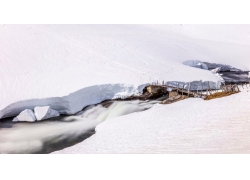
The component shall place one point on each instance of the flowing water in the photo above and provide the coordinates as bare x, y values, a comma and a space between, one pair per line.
64, 131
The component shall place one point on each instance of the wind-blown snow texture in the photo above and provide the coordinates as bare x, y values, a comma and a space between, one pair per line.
70, 66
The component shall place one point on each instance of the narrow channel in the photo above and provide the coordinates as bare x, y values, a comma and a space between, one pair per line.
64, 131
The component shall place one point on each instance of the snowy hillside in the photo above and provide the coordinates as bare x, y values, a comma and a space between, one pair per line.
42, 64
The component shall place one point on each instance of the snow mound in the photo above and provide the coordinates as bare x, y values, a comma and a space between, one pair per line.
45, 112
26, 115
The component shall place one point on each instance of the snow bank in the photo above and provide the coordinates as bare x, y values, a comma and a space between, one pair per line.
26, 115
45, 112
35, 137
57, 65
76, 101
189, 126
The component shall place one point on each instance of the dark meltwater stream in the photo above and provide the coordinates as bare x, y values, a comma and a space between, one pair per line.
64, 131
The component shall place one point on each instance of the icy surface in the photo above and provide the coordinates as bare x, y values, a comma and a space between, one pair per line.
45, 112
78, 65
26, 115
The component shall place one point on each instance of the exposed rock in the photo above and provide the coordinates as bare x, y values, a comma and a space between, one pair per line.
173, 94
156, 89
45, 112
174, 99
26, 115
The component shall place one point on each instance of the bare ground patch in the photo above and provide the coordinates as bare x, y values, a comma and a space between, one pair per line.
219, 95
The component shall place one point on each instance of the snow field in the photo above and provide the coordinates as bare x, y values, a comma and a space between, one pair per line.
49, 65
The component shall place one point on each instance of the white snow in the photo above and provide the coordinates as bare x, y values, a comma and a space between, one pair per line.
26, 115
68, 67
189, 126
45, 112
201, 65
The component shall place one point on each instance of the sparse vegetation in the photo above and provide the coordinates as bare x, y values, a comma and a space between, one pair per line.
219, 95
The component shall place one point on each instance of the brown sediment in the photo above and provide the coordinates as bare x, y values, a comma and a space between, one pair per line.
106, 103
219, 95
175, 99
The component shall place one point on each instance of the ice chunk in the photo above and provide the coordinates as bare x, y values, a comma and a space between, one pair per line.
26, 115
45, 112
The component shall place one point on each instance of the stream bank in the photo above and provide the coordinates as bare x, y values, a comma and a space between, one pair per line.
60, 132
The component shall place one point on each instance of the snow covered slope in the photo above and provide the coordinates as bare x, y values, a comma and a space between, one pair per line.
70, 66
190, 126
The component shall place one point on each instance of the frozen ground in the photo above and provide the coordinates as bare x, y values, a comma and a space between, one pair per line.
42, 64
